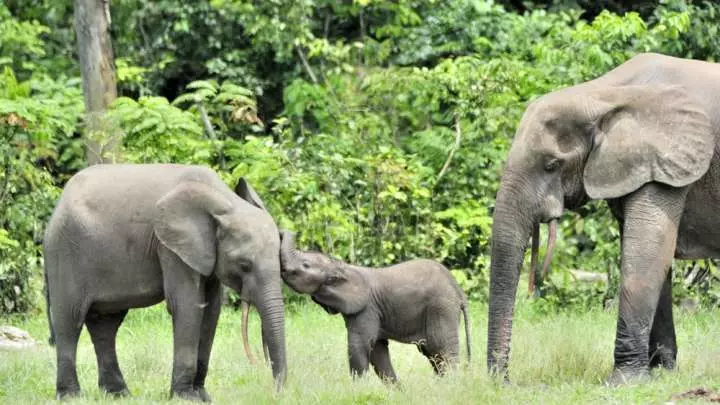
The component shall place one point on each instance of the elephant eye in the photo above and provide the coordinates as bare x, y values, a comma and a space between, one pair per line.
552, 165
244, 265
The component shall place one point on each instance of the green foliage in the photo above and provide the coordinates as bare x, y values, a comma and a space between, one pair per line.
20, 42
156, 131
376, 129
230, 108
27, 193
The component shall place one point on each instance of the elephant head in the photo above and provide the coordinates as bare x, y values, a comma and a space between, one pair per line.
334, 285
590, 141
234, 237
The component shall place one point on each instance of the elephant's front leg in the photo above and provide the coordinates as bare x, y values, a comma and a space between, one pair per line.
380, 359
359, 347
362, 332
213, 295
651, 218
185, 296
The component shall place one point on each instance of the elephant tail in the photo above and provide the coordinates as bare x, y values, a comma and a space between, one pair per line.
468, 343
51, 340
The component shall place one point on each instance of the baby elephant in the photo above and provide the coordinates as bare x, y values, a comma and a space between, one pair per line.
415, 302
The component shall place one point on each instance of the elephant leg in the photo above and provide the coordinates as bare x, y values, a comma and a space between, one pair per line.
437, 359
663, 346
380, 360
213, 295
651, 218
67, 325
185, 297
103, 331
442, 346
359, 346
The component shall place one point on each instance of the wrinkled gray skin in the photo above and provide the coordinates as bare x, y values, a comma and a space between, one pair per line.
645, 137
415, 302
129, 236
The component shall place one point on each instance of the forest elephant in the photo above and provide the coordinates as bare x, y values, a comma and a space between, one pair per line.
416, 302
129, 236
644, 137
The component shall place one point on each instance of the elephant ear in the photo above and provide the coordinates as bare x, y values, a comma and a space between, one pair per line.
345, 290
247, 193
646, 133
186, 222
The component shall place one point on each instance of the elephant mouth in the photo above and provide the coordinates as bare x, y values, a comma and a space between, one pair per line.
534, 270
330, 310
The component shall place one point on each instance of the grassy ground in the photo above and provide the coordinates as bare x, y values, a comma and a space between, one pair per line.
555, 359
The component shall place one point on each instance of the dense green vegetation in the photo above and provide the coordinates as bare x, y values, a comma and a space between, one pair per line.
557, 359
377, 129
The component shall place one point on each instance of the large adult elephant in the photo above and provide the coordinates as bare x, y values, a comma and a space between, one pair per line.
128, 236
644, 137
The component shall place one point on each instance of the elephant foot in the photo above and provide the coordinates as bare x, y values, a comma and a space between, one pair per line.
204, 396
664, 358
67, 393
622, 376
116, 392
190, 395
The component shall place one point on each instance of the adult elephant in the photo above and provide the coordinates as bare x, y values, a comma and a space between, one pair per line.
645, 138
128, 236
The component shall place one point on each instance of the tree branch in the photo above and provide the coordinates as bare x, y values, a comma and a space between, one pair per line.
458, 137
211, 132
306, 65
6, 180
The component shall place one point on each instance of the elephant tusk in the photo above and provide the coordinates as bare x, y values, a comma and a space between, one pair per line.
552, 235
534, 258
244, 327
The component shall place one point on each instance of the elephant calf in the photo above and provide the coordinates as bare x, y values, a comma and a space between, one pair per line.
412, 302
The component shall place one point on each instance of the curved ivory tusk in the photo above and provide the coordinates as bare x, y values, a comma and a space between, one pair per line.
534, 258
244, 327
552, 235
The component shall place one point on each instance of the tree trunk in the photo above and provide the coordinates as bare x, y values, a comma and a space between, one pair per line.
97, 63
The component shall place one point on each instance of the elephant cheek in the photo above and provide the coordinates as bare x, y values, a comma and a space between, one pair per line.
232, 279
302, 286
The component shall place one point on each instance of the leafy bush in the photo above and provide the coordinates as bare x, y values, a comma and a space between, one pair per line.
28, 128
376, 129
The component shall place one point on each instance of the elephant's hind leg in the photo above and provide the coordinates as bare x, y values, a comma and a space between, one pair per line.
103, 331
438, 359
67, 324
380, 360
213, 295
442, 347
663, 346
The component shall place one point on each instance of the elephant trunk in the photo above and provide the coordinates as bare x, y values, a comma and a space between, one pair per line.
287, 249
272, 313
512, 225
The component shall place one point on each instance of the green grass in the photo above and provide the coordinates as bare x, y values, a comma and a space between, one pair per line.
556, 359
